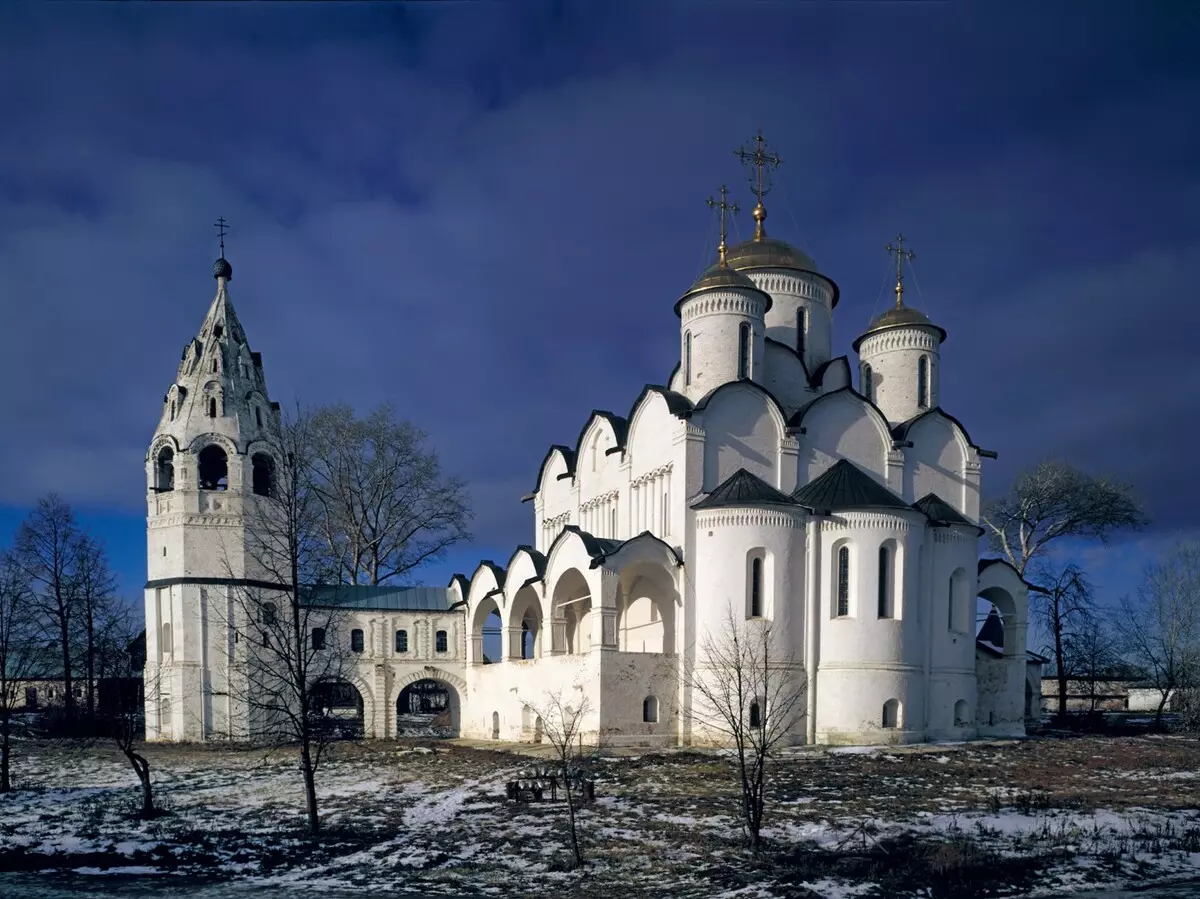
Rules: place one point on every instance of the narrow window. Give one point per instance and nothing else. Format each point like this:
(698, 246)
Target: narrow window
(318, 638)
(923, 382)
(166, 638)
(687, 358)
(31, 697)
(755, 587)
(950, 606)
(650, 710)
(401, 641)
(613, 533)
(868, 383)
(666, 511)
(262, 474)
(356, 640)
(755, 714)
(165, 473)
(212, 407)
(744, 351)
(801, 327)
(885, 583)
(172, 410)
(258, 416)
(268, 614)
(214, 366)
(440, 642)
(843, 582)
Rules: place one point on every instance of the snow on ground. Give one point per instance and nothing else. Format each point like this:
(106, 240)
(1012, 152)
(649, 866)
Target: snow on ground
(1039, 816)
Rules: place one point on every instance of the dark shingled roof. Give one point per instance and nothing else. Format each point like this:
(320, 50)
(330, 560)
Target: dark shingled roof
(940, 512)
(846, 486)
(743, 489)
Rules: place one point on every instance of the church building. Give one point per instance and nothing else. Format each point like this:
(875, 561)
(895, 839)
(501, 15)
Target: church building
(757, 483)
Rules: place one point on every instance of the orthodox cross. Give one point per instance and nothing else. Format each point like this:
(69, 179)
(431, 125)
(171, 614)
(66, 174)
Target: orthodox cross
(901, 254)
(724, 206)
(761, 160)
(221, 227)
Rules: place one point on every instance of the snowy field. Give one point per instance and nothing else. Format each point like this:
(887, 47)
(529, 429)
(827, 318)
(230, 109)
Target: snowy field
(1041, 817)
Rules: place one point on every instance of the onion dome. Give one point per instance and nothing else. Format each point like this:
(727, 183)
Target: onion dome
(721, 276)
(900, 317)
(222, 269)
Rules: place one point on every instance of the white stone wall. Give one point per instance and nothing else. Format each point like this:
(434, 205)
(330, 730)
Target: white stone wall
(791, 291)
(893, 356)
(743, 429)
(714, 318)
(841, 426)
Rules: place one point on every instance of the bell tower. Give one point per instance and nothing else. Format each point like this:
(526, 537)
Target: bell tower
(210, 454)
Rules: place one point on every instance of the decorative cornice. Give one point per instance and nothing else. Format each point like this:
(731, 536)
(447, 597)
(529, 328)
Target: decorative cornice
(914, 337)
(600, 500)
(751, 517)
(953, 535)
(790, 285)
(196, 519)
(849, 521)
(713, 302)
(651, 475)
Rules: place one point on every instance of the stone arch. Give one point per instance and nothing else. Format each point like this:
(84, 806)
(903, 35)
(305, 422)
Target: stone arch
(347, 713)
(962, 714)
(212, 468)
(524, 626)
(164, 469)
(571, 609)
(455, 689)
(892, 714)
(646, 608)
(486, 621)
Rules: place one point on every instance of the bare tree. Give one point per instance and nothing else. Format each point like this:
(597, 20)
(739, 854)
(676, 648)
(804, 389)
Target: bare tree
(563, 713)
(123, 714)
(18, 653)
(387, 508)
(1160, 628)
(98, 611)
(291, 637)
(1066, 614)
(48, 549)
(749, 694)
(1053, 501)
(1090, 657)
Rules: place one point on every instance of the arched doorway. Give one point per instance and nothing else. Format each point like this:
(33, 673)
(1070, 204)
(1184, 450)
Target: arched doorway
(427, 708)
(336, 710)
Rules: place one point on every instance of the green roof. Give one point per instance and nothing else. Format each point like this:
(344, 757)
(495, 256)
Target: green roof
(387, 598)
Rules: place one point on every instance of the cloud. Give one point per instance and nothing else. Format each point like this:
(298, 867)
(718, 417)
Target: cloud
(484, 217)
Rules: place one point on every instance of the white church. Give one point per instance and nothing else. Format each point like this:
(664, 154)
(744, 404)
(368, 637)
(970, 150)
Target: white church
(758, 479)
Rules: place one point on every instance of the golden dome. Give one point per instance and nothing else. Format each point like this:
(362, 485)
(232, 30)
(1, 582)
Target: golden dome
(720, 275)
(900, 317)
(768, 252)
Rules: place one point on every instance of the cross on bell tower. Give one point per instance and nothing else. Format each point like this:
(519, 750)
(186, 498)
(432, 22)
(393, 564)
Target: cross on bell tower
(901, 254)
(761, 160)
(724, 206)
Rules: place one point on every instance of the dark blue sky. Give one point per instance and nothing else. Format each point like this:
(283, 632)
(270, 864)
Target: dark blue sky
(483, 213)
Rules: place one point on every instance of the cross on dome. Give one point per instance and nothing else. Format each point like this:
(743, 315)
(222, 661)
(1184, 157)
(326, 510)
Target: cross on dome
(724, 206)
(901, 254)
(761, 160)
(221, 268)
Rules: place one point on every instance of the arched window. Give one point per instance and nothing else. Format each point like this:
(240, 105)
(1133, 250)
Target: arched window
(172, 410)
(687, 357)
(868, 383)
(755, 714)
(923, 382)
(843, 582)
(891, 713)
(268, 614)
(164, 469)
(956, 602)
(744, 351)
(318, 638)
(165, 647)
(356, 640)
(801, 329)
(650, 710)
(401, 641)
(885, 583)
(754, 588)
(441, 643)
(212, 468)
(263, 474)
(214, 363)
(212, 407)
(258, 416)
